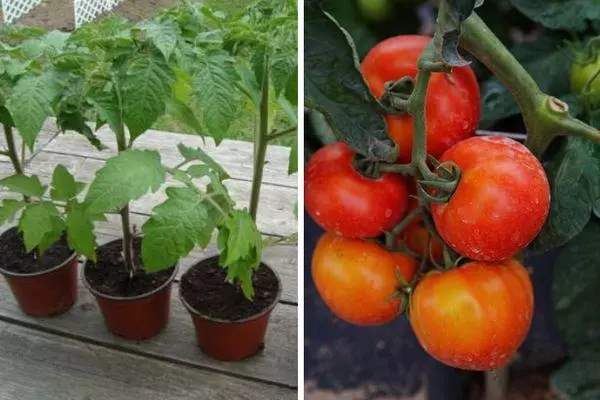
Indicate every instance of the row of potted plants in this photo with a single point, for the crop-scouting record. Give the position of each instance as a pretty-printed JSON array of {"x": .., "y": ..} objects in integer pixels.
[{"x": 127, "y": 76}]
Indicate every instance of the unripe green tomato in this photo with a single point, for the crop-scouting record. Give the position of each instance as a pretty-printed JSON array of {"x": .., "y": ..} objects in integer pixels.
[
  {"x": 581, "y": 73},
  {"x": 375, "y": 10}
]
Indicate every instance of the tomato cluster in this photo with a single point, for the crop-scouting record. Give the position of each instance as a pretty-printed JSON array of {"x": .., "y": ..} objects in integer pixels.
[{"x": 470, "y": 301}]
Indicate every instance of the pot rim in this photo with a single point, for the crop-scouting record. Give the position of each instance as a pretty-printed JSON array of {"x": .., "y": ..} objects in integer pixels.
[
  {"x": 95, "y": 292},
  {"x": 34, "y": 274},
  {"x": 267, "y": 310}
]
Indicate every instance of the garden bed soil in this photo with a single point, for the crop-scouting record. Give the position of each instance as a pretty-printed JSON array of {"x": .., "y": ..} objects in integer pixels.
[
  {"x": 15, "y": 258},
  {"x": 109, "y": 275},
  {"x": 204, "y": 288}
]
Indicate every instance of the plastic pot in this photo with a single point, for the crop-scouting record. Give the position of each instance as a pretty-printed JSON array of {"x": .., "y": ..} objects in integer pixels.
[
  {"x": 230, "y": 340},
  {"x": 136, "y": 318},
  {"x": 45, "y": 293}
]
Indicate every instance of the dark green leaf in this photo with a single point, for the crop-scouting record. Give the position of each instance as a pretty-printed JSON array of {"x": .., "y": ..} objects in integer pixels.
[
  {"x": 578, "y": 379},
  {"x": 41, "y": 226},
  {"x": 80, "y": 231},
  {"x": 9, "y": 208},
  {"x": 335, "y": 87},
  {"x": 574, "y": 176},
  {"x": 291, "y": 90},
  {"x": 64, "y": 186},
  {"x": 126, "y": 177},
  {"x": 450, "y": 17},
  {"x": 25, "y": 185},
  {"x": 293, "y": 163},
  {"x": 560, "y": 14},
  {"x": 163, "y": 35},
  {"x": 184, "y": 220}
]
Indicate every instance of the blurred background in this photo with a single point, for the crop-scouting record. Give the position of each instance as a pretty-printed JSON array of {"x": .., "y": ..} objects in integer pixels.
[{"x": 347, "y": 362}]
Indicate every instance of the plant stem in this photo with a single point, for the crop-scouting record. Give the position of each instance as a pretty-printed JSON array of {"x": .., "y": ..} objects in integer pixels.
[
  {"x": 545, "y": 117},
  {"x": 261, "y": 141},
  {"x": 128, "y": 253},
  {"x": 284, "y": 132},
  {"x": 12, "y": 149}
]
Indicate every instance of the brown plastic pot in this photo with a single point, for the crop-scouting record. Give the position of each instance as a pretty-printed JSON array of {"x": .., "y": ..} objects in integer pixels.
[
  {"x": 136, "y": 318},
  {"x": 231, "y": 340},
  {"x": 45, "y": 293}
]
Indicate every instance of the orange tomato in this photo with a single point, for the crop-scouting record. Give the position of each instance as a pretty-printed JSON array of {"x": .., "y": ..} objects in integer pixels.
[
  {"x": 473, "y": 317},
  {"x": 356, "y": 278}
]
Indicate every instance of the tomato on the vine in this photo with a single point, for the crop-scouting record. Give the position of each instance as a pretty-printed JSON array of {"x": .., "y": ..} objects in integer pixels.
[
  {"x": 452, "y": 105},
  {"x": 475, "y": 316},
  {"x": 500, "y": 203},
  {"x": 357, "y": 279},
  {"x": 581, "y": 73},
  {"x": 416, "y": 237},
  {"x": 343, "y": 201}
]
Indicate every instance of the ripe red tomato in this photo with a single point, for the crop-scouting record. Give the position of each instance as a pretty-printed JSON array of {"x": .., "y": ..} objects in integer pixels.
[
  {"x": 501, "y": 201},
  {"x": 343, "y": 201},
  {"x": 355, "y": 278},
  {"x": 475, "y": 316},
  {"x": 452, "y": 105}
]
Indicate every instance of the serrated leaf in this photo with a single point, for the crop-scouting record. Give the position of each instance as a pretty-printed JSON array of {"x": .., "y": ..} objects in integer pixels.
[
  {"x": 283, "y": 69},
  {"x": 240, "y": 244},
  {"x": 334, "y": 86},
  {"x": 198, "y": 170},
  {"x": 184, "y": 114},
  {"x": 75, "y": 121},
  {"x": 106, "y": 103},
  {"x": 126, "y": 177},
  {"x": 574, "y": 176},
  {"x": 30, "y": 104},
  {"x": 145, "y": 89},
  {"x": 162, "y": 35},
  {"x": 214, "y": 83},
  {"x": 197, "y": 154},
  {"x": 9, "y": 208},
  {"x": 576, "y": 301},
  {"x": 175, "y": 227},
  {"x": 25, "y": 185},
  {"x": 64, "y": 186},
  {"x": 80, "y": 231},
  {"x": 41, "y": 226},
  {"x": 293, "y": 163},
  {"x": 571, "y": 15},
  {"x": 291, "y": 89}
]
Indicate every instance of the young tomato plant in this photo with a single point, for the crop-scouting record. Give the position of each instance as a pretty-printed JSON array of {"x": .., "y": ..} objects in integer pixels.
[{"x": 483, "y": 201}]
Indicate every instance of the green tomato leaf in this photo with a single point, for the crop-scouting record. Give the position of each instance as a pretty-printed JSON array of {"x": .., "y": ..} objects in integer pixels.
[
  {"x": 335, "y": 87},
  {"x": 184, "y": 220},
  {"x": 284, "y": 68},
  {"x": 574, "y": 176},
  {"x": 30, "y": 104},
  {"x": 106, "y": 103},
  {"x": 41, "y": 226},
  {"x": 184, "y": 114},
  {"x": 126, "y": 177},
  {"x": 240, "y": 244},
  {"x": 64, "y": 186},
  {"x": 450, "y": 19},
  {"x": 197, "y": 154},
  {"x": 571, "y": 15},
  {"x": 291, "y": 90},
  {"x": 576, "y": 301},
  {"x": 215, "y": 78},
  {"x": 162, "y": 35},
  {"x": 80, "y": 231},
  {"x": 25, "y": 185},
  {"x": 293, "y": 163},
  {"x": 9, "y": 208},
  {"x": 145, "y": 89}
]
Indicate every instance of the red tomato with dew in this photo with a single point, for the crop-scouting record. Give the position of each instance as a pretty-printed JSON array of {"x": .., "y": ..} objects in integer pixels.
[
  {"x": 452, "y": 104},
  {"x": 343, "y": 201},
  {"x": 501, "y": 202}
]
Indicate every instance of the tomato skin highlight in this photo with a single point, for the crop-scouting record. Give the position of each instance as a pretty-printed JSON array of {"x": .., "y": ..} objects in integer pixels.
[
  {"x": 356, "y": 277},
  {"x": 473, "y": 317},
  {"x": 343, "y": 201},
  {"x": 452, "y": 106},
  {"x": 501, "y": 202}
]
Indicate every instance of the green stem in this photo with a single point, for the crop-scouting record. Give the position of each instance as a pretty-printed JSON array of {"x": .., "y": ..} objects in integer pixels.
[
  {"x": 417, "y": 109},
  {"x": 284, "y": 132},
  {"x": 261, "y": 141},
  {"x": 545, "y": 117},
  {"x": 403, "y": 169},
  {"x": 12, "y": 150},
  {"x": 128, "y": 253}
]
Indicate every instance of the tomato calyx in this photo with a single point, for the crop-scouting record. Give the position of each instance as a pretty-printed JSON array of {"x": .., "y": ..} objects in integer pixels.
[
  {"x": 396, "y": 96},
  {"x": 404, "y": 291},
  {"x": 441, "y": 185}
]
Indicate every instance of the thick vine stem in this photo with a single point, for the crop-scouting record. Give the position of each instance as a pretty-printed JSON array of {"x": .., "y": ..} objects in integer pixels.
[
  {"x": 542, "y": 121},
  {"x": 12, "y": 149}
]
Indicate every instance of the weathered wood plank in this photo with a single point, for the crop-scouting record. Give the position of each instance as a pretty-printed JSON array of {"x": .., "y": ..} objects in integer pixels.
[
  {"x": 276, "y": 208},
  {"x": 277, "y": 363},
  {"x": 235, "y": 156},
  {"x": 36, "y": 365},
  {"x": 48, "y": 132}
]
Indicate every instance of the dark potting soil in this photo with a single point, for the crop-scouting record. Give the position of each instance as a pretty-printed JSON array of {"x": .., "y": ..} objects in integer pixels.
[
  {"x": 204, "y": 288},
  {"x": 109, "y": 275},
  {"x": 15, "y": 258}
]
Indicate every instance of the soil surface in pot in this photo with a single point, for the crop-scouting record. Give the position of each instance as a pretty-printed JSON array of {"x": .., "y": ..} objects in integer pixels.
[
  {"x": 14, "y": 256},
  {"x": 109, "y": 275},
  {"x": 204, "y": 288}
]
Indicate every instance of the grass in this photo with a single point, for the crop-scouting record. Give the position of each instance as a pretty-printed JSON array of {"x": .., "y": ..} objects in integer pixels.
[{"x": 244, "y": 123}]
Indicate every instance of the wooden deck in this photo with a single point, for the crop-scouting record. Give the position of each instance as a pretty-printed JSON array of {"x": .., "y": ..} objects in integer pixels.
[{"x": 73, "y": 356}]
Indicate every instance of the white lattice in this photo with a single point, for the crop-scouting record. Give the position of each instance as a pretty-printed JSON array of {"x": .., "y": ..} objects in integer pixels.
[
  {"x": 88, "y": 10},
  {"x": 14, "y": 9}
]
